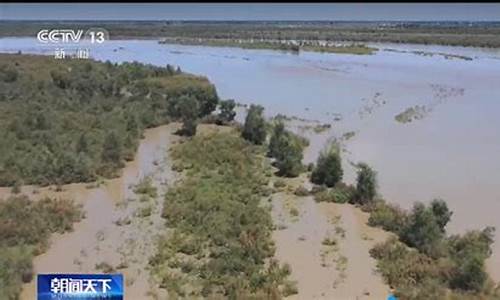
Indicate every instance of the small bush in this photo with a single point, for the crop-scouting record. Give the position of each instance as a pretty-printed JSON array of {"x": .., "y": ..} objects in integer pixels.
[
  {"x": 286, "y": 148},
  {"x": 279, "y": 183},
  {"x": 387, "y": 216},
  {"x": 254, "y": 129},
  {"x": 145, "y": 211},
  {"x": 301, "y": 191},
  {"x": 145, "y": 187},
  {"x": 341, "y": 193},
  {"x": 366, "y": 184},
  {"x": 227, "y": 112},
  {"x": 329, "y": 241}
]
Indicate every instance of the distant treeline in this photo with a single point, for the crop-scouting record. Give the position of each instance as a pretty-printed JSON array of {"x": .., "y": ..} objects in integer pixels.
[
  {"x": 64, "y": 121},
  {"x": 480, "y": 34}
]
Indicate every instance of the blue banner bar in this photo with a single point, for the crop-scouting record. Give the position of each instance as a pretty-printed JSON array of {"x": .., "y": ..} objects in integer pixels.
[{"x": 80, "y": 286}]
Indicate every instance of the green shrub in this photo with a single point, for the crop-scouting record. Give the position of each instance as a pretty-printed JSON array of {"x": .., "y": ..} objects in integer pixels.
[
  {"x": 254, "y": 129},
  {"x": 341, "y": 193},
  {"x": 301, "y": 191},
  {"x": 276, "y": 140},
  {"x": 25, "y": 228},
  {"x": 286, "y": 148},
  {"x": 422, "y": 231},
  {"x": 403, "y": 266},
  {"x": 146, "y": 187},
  {"x": 217, "y": 218},
  {"x": 329, "y": 241},
  {"x": 366, "y": 185},
  {"x": 279, "y": 183},
  {"x": 16, "y": 268},
  {"x": 426, "y": 263},
  {"x": 227, "y": 112},
  {"x": 328, "y": 170},
  {"x": 189, "y": 112},
  {"x": 144, "y": 211},
  {"x": 387, "y": 216}
]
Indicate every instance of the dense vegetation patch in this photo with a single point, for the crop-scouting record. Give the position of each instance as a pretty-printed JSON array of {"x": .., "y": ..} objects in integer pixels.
[
  {"x": 359, "y": 49},
  {"x": 425, "y": 262},
  {"x": 65, "y": 121},
  {"x": 25, "y": 228},
  {"x": 220, "y": 243}
]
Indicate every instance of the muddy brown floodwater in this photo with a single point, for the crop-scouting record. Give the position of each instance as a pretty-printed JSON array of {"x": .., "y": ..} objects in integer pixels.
[
  {"x": 342, "y": 269},
  {"x": 112, "y": 231},
  {"x": 451, "y": 153}
]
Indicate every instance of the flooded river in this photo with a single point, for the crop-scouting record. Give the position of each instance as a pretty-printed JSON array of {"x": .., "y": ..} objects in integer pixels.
[{"x": 451, "y": 152}]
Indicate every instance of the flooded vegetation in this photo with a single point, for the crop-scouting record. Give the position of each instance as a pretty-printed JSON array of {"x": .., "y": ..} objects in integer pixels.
[
  {"x": 219, "y": 241},
  {"x": 305, "y": 186},
  {"x": 412, "y": 114},
  {"x": 290, "y": 46},
  {"x": 476, "y": 34},
  {"x": 25, "y": 229}
]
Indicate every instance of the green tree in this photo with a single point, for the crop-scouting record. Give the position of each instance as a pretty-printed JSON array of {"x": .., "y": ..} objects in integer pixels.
[
  {"x": 470, "y": 274},
  {"x": 422, "y": 231},
  {"x": 328, "y": 168},
  {"x": 366, "y": 184},
  {"x": 441, "y": 212},
  {"x": 227, "y": 112},
  {"x": 207, "y": 100},
  {"x": 289, "y": 159},
  {"x": 112, "y": 149},
  {"x": 277, "y": 138},
  {"x": 469, "y": 252},
  {"x": 189, "y": 110},
  {"x": 254, "y": 129}
]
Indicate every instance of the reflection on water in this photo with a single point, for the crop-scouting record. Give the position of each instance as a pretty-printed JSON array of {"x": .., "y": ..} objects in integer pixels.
[{"x": 452, "y": 153}]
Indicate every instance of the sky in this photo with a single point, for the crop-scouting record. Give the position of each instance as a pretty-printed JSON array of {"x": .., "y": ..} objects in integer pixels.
[{"x": 254, "y": 11}]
